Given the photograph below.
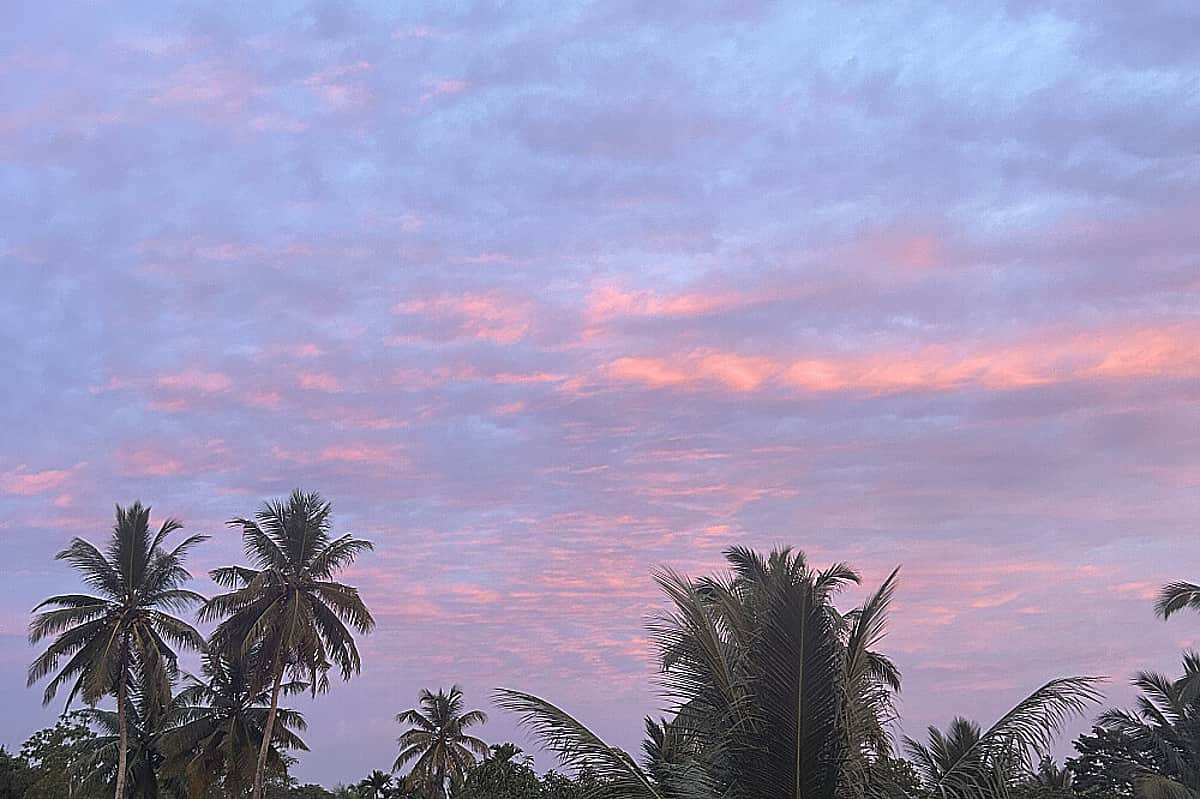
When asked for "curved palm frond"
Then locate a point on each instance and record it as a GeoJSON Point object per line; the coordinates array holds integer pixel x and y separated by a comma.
{"type": "Point", "coordinates": [576, 745]}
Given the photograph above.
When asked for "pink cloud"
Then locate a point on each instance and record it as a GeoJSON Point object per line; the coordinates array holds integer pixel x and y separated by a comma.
{"type": "Point", "coordinates": [444, 87]}
{"type": "Point", "coordinates": [263, 399]}
{"type": "Point", "coordinates": [995, 600]}
{"type": "Point", "coordinates": [212, 90]}
{"type": "Point", "coordinates": [654, 372]}
{"type": "Point", "coordinates": [360, 453]}
{"type": "Point", "coordinates": [23, 482]}
{"type": "Point", "coordinates": [151, 463]}
{"type": "Point", "coordinates": [485, 258]}
{"type": "Point", "coordinates": [417, 32]}
{"type": "Point", "coordinates": [195, 381]}
{"type": "Point", "coordinates": [735, 372]}
{"type": "Point", "coordinates": [611, 300]}
{"type": "Point", "coordinates": [528, 378]}
{"type": "Point", "coordinates": [1049, 357]}
{"type": "Point", "coordinates": [320, 381]}
{"type": "Point", "coordinates": [917, 250]}
{"type": "Point", "coordinates": [487, 316]}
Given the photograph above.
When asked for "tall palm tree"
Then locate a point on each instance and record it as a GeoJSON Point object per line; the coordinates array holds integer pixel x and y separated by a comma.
{"type": "Point", "coordinates": [127, 627]}
{"type": "Point", "coordinates": [375, 785]}
{"type": "Point", "coordinates": [1165, 721]}
{"type": "Point", "coordinates": [222, 723]}
{"type": "Point", "coordinates": [288, 609]}
{"type": "Point", "coordinates": [776, 694]}
{"type": "Point", "coordinates": [438, 740]}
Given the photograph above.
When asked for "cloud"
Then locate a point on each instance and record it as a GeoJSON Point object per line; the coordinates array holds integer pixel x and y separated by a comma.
{"type": "Point", "coordinates": [24, 482]}
{"type": "Point", "coordinates": [488, 316]}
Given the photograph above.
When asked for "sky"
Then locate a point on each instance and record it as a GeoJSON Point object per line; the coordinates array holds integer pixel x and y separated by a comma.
{"type": "Point", "coordinates": [544, 295]}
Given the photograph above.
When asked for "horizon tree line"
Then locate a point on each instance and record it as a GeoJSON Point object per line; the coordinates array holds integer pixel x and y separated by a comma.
{"type": "Point", "coordinates": [772, 691]}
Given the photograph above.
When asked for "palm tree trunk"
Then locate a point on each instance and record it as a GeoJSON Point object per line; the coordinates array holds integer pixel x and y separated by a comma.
{"type": "Point", "coordinates": [260, 772]}
{"type": "Point", "coordinates": [122, 733]}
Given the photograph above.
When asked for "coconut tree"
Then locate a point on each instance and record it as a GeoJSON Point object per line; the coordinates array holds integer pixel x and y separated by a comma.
{"type": "Point", "coordinates": [938, 757]}
{"type": "Point", "coordinates": [375, 785]}
{"type": "Point", "coordinates": [753, 656]}
{"type": "Point", "coordinates": [1166, 722]}
{"type": "Point", "coordinates": [149, 722]}
{"type": "Point", "coordinates": [967, 762]}
{"type": "Point", "coordinates": [438, 740]}
{"type": "Point", "coordinates": [222, 723]}
{"type": "Point", "coordinates": [287, 609]}
{"type": "Point", "coordinates": [776, 694]}
{"type": "Point", "coordinates": [125, 630]}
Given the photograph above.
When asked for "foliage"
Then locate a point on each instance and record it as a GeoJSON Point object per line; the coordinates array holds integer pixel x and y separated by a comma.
{"type": "Point", "coordinates": [503, 774]}
{"type": "Point", "coordinates": [1048, 781]}
{"type": "Point", "coordinates": [438, 742]}
{"type": "Point", "coordinates": [890, 776]}
{"type": "Point", "coordinates": [586, 783]}
{"type": "Point", "coordinates": [55, 758]}
{"type": "Point", "coordinates": [222, 723]}
{"type": "Point", "coordinates": [149, 721]}
{"type": "Point", "coordinates": [307, 791]}
{"type": "Point", "coordinates": [1107, 764]}
{"type": "Point", "coordinates": [287, 613]}
{"type": "Point", "coordinates": [15, 775]}
{"type": "Point", "coordinates": [967, 763]}
{"type": "Point", "coordinates": [1176, 596]}
{"type": "Point", "coordinates": [376, 785]}
{"type": "Point", "coordinates": [1165, 722]}
{"type": "Point", "coordinates": [778, 695]}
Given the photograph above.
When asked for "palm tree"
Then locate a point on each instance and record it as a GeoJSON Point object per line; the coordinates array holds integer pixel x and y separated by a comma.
{"type": "Point", "coordinates": [967, 762]}
{"type": "Point", "coordinates": [937, 758]}
{"type": "Point", "coordinates": [127, 628]}
{"type": "Point", "coordinates": [1166, 722]}
{"type": "Point", "coordinates": [288, 609]}
{"type": "Point", "coordinates": [377, 783]}
{"type": "Point", "coordinates": [150, 722]}
{"type": "Point", "coordinates": [1050, 778]}
{"type": "Point", "coordinates": [438, 740]}
{"type": "Point", "coordinates": [776, 694]}
{"type": "Point", "coordinates": [758, 655]}
{"type": "Point", "coordinates": [222, 727]}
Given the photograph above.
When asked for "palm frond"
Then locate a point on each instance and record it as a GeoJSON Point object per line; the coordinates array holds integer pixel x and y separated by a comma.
{"type": "Point", "coordinates": [576, 745]}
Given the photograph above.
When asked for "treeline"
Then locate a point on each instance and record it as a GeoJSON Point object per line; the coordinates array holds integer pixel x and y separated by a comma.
{"type": "Point", "coordinates": [775, 691]}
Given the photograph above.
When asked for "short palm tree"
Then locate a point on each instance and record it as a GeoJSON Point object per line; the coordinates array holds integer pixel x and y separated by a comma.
{"type": "Point", "coordinates": [222, 722]}
{"type": "Point", "coordinates": [1052, 778]}
{"type": "Point", "coordinates": [937, 758]}
{"type": "Point", "coordinates": [375, 785]}
{"type": "Point", "coordinates": [150, 722]}
{"type": "Point", "coordinates": [1166, 721]}
{"type": "Point", "coordinates": [288, 610]}
{"type": "Point", "coordinates": [125, 631]}
{"type": "Point", "coordinates": [967, 762]}
{"type": "Point", "coordinates": [438, 741]}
